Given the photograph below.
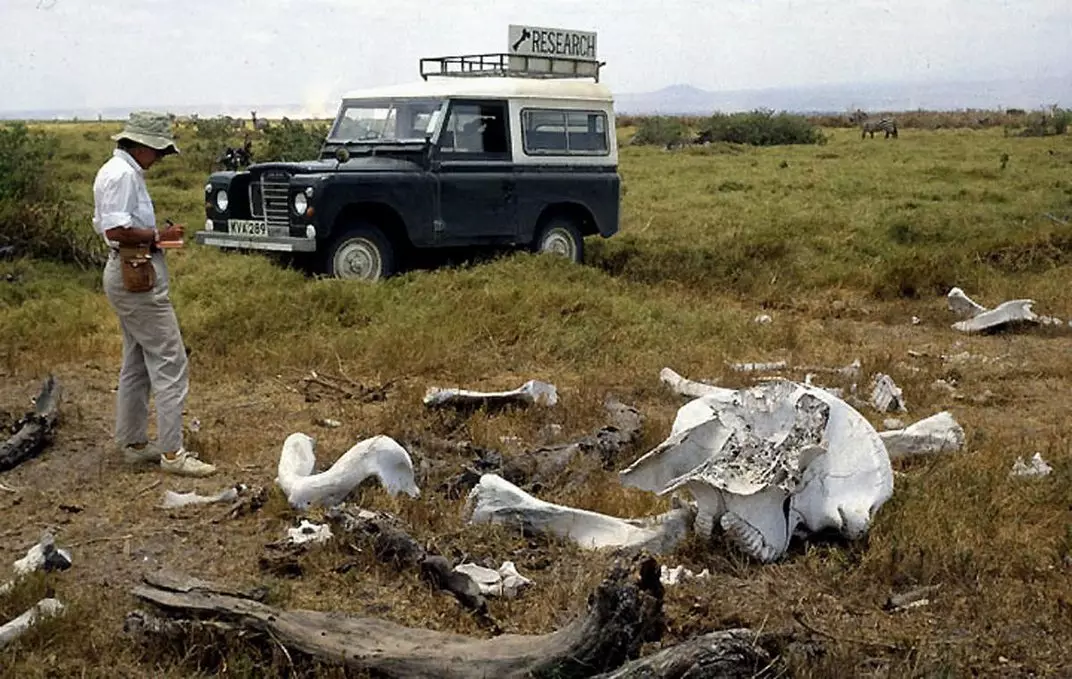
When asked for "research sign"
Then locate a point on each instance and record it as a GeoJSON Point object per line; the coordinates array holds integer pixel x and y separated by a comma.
{"type": "Point", "coordinates": [537, 41]}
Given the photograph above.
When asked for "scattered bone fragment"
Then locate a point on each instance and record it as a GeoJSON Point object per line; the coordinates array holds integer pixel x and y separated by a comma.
{"type": "Point", "coordinates": [173, 500]}
{"type": "Point", "coordinates": [886, 396]}
{"type": "Point", "coordinates": [679, 574]}
{"type": "Point", "coordinates": [1013, 312]}
{"type": "Point", "coordinates": [768, 461]}
{"type": "Point", "coordinates": [379, 456]}
{"type": "Point", "coordinates": [505, 582]}
{"type": "Point", "coordinates": [307, 531]}
{"type": "Point", "coordinates": [1036, 466]}
{"type": "Point", "coordinates": [45, 555]}
{"type": "Point", "coordinates": [911, 599]}
{"type": "Point", "coordinates": [962, 305]}
{"type": "Point", "coordinates": [939, 433]}
{"type": "Point", "coordinates": [686, 387]}
{"type": "Point", "coordinates": [891, 423]}
{"type": "Point", "coordinates": [329, 423]}
{"type": "Point", "coordinates": [763, 319]}
{"type": "Point", "coordinates": [533, 392]}
{"type": "Point", "coordinates": [43, 609]}
{"type": "Point", "coordinates": [759, 367]}
{"type": "Point", "coordinates": [496, 500]}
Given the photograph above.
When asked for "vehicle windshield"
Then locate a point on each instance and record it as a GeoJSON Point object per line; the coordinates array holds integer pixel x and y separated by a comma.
{"type": "Point", "coordinates": [388, 120]}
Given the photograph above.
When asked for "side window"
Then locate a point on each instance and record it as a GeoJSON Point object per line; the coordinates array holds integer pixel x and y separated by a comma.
{"type": "Point", "coordinates": [476, 128]}
{"type": "Point", "coordinates": [564, 132]}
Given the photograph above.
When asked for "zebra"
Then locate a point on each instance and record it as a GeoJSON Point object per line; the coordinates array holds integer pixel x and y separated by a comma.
{"type": "Point", "coordinates": [870, 125]}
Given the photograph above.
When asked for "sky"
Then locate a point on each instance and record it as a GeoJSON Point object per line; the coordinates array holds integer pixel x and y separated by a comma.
{"type": "Point", "coordinates": [57, 54]}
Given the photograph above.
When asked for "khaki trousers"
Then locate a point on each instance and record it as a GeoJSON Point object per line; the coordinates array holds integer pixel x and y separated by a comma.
{"type": "Point", "coordinates": [154, 356]}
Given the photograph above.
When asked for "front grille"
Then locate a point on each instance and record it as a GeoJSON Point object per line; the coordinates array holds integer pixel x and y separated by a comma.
{"type": "Point", "coordinates": [269, 200]}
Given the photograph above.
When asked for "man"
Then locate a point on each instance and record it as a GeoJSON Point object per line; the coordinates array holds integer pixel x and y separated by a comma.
{"type": "Point", "coordinates": [153, 351]}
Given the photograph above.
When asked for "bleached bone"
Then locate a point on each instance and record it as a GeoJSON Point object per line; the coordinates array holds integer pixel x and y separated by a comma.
{"type": "Point", "coordinates": [529, 393]}
{"type": "Point", "coordinates": [307, 531]}
{"type": "Point", "coordinates": [1006, 313]}
{"type": "Point", "coordinates": [962, 305]}
{"type": "Point", "coordinates": [679, 574]}
{"type": "Point", "coordinates": [1036, 467]}
{"type": "Point", "coordinates": [496, 500]}
{"type": "Point", "coordinates": [686, 387]}
{"type": "Point", "coordinates": [173, 500]}
{"type": "Point", "coordinates": [886, 396]}
{"type": "Point", "coordinates": [759, 367]}
{"type": "Point", "coordinates": [379, 456]}
{"type": "Point", "coordinates": [45, 608]}
{"type": "Point", "coordinates": [938, 433]}
{"type": "Point", "coordinates": [505, 582]}
{"type": "Point", "coordinates": [771, 460]}
{"type": "Point", "coordinates": [42, 556]}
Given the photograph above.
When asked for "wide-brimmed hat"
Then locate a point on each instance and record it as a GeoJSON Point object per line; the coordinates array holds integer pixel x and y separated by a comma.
{"type": "Point", "coordinates": [151, 129]}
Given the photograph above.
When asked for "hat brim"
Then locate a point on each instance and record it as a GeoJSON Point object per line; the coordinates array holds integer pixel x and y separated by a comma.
{"type": "Point", "coordinates": [161, 144]}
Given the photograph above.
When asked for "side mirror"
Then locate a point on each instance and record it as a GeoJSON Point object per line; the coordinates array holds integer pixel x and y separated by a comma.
{"type": "Point", "coordinates": [342, 154]}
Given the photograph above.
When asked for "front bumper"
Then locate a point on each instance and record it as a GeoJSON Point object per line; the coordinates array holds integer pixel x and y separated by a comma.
{"type": "Point", "coordinates": [271, 243]}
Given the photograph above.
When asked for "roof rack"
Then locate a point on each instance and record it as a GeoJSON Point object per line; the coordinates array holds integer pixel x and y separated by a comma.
{"type": "Point", "coordinates": [504, 65]}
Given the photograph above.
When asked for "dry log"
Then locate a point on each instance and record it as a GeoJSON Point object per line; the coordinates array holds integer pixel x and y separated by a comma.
{"type": "Point", "coordinates": [391, 544]}
{"type": "Point", "coordinates": [727, 654]}
{"type": "Point", "coordinates": [623, 612]}
{"type": "Point", "coordinates": [35, 430]}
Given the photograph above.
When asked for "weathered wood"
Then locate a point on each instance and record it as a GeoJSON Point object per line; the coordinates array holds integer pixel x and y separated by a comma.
{"type": "Point", "coordinates": [727, 654]}
{"type": "Point", "coordinates": [35, 430]}
{"type": "Point", "coordinates": [391, 544]}
{"type": "Point", "coordinates": [623, 613]}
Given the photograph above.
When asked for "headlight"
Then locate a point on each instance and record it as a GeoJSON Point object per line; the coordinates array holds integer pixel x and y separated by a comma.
{"type": "Point", "coordinates": [300, 203]}
{"type": "Point", "coordinates": [222, 201]}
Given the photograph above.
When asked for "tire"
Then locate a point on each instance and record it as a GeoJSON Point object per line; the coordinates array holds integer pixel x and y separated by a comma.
{"type": "Point", "coordinates": [360, 253]}
{"type": "Point", "coordinates": [561, 237]}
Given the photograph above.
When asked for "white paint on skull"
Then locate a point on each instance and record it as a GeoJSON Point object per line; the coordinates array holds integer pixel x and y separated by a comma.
{"type": "Point", "coordinates": [505, 582]}
{"type": "Point", "coordinates": [42, 610]}
{"type": "Point", "coordinates": [531, 392]}
{"type": "Point", "coordinates": [379, 456]}
{"type": "Point", "coordinates": [939, 433]}
{"type": "Point", "coordinates": [497, 501]}
{"type": "Point", "coordinates": [962, 305]}
{"type": "Point", "coordinates": [768, 460]}
{"type": "Point", "coordinates": [1007, 313]}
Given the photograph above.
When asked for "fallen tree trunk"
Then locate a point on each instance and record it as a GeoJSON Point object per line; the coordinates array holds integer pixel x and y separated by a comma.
{"type": "Point", "coordinates": [35, 430]}
{"type": "Point", "coordinates": [622, 614]}
{"type": "Point", "coordinates": [727, 654]}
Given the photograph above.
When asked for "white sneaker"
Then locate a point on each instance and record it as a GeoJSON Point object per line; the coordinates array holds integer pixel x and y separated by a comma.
{"type": "Point", "coordinates": [186, 464]}
{"type": "Point", "coordinates": [149, 453]}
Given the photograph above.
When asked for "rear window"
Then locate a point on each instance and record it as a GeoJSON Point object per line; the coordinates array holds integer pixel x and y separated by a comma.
{"type": "Point", "coordinates": [564, 132]}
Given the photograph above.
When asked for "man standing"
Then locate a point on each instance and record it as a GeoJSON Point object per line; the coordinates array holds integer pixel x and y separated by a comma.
{"type": "Point", "coordinates": [136, 284]}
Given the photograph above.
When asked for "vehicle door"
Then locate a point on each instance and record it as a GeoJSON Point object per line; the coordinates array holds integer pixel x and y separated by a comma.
{"type": "Point", "coordinates": [477, 200]}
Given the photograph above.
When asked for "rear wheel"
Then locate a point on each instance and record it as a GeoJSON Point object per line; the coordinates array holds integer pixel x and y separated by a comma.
{"type": "Point", "coordinates": [561, 237]}
{"type": "Point", "coordinates": [361, 253]}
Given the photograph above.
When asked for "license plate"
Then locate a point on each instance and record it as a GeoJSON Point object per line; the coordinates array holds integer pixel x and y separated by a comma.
{"type": "Point", "coordinates": [247, 227]}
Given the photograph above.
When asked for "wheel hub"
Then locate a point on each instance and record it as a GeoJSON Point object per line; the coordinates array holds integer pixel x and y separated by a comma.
{"type": "Point", "coordinates": [358, 259]}
{"type": "Point", "coordinates": [559, 242]}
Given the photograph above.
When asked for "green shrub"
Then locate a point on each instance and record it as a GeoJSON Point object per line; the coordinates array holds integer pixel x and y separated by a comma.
{"type": "Point", "coordinates": [660, 131]}
{"type": "Point", "coordinates": [37, 218]}
{"type": "Point", "coordinates": [293, 140]}
{"type": "Point", "coordinates": [761, 127]}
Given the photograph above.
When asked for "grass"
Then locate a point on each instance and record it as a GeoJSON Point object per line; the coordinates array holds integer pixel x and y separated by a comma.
{"type": "Point", "coordinates": [841, 244]}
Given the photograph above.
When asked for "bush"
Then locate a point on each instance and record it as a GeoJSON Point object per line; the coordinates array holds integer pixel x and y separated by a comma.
{"type": "Point", "coordinates": [1045, 123]}
{"type": "Point", "coordinates": [660, 131]}
{"type": "Point", "coordinates": [36, 217]}
{"type": "Point", "coordinates": [761, 127]}
{"type": "Point", "coordinates": [293, 140]}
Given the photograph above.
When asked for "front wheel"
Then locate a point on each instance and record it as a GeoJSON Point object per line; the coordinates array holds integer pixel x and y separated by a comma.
{"type": "Point", "coordinates": [362, 253]}
{"type": "Point", "coordinates": [561, 237]}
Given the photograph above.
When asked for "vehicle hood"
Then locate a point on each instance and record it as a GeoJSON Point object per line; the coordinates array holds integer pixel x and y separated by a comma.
{"type": "Point", "coordinates": [355, 164]}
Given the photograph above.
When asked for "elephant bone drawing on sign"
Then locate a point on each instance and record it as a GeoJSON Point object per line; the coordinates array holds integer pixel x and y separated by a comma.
{"type": "Point", "coordinates": [766, 462]}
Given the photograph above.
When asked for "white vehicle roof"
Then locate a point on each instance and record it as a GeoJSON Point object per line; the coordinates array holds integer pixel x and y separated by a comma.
{"type": "Point", "coordinates": [533, 88]}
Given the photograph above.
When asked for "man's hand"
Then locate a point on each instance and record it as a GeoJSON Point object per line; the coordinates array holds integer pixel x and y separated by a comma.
{"type": "Point", "coordinates": [172, 232]}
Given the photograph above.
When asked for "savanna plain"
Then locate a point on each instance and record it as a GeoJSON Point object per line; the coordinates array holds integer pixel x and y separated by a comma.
{"type": "Point", "coordinates": [849, 246]}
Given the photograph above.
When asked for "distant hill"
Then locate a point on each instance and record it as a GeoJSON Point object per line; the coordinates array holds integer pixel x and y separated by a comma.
{"type": "Point", "coordinates": [949, 96]}
{"type": "Point", "coordinates": [688, 100]}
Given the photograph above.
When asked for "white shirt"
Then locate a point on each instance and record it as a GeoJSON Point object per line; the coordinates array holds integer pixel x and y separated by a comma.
{"type": "Point", "coordinates": [120, 196]}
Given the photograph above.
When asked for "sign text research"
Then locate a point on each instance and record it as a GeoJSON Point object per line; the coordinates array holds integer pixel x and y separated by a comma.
{"type": "Point", "coordinates": [536, 41]}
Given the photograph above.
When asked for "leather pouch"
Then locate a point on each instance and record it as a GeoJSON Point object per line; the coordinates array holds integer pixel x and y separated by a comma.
{"type": "Point", "coordinates": [136, 263]}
